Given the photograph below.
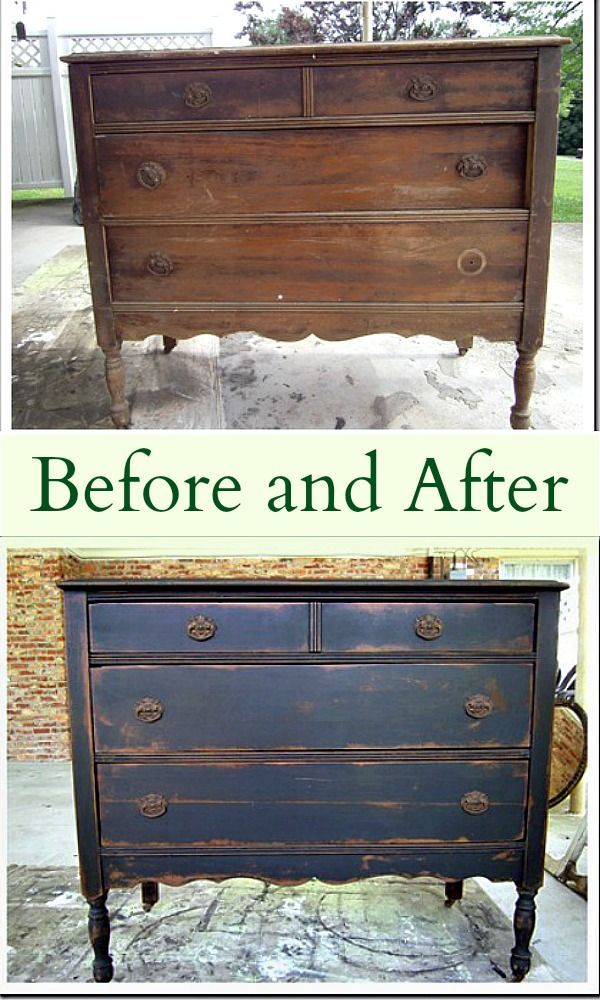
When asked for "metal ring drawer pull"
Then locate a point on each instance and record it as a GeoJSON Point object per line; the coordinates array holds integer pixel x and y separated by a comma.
{"type": "Point", "coordinates": [151, 174]}
{"type": "Point", "coordinates": [160, 265]}
{"type": "Point", "coordinates": [152, 805]}
{"type": "Point", "coordinates": [478, 705]}
{"type": "Point", "coordinates": [197, 95]}
{"type": "Point", "coordinates": [429, 627]}
{"type": "Point", "coordinates": [475, 803]}
{"type": "Point", "coordinates": [201, 628]}
{"type": "Point", "coordinates": [421, 88]}
{"type": "Point", "coordinates": [472, 165]}
{"type": "Point", "coordinates": [149, 710]}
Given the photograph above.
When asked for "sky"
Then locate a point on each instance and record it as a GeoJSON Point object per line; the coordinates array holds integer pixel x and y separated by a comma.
{"type": "Point", "coordinates": [138, 16]}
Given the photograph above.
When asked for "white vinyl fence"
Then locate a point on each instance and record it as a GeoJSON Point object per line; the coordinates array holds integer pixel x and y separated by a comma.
{"type": "Point", "coordinates": [43, 153]}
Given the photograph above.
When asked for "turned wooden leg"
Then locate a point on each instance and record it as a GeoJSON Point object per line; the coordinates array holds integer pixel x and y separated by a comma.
{"type": "Point", "coordinates": [464, 344]}
{"type": "Point", "coordinates": [524, 381]}
{"type": "Point", "coordinates": [524, 922]}
{"type": "Point", "coordinates": [150, 895]}
{"type": "Point", "coordinates": [169, 343]}
{"type": "Point", "coordinates": [454, 892]}
{"type": "Point", "coordinates": [115, 380]}
{"type": "Point", "coordinates": [99, 932]}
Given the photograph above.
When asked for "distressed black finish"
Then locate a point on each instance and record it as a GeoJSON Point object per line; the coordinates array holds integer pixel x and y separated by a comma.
{"type": "Point", "coordinates": [155, 627]}
{"type": "Point", "coordinates": [327, 802]}
{"type": "Point", "coordinates": [346, 706]}
{"type": "Point", "coordinates": [99, 933]}
{"type": "Point", "coordinates": [464, 628]}
{"type": "Point", "coordinates": [286, 730]}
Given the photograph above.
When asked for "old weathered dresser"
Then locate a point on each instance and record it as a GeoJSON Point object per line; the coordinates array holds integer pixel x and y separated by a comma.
{"type": "Point", "coordinates": [290, 730]}
{"type": "Point", "coordinates": [338, 190]}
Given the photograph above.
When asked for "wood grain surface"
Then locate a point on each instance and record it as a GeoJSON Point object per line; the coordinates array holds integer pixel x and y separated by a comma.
{"type": "Point", "coordinates": [318, 170]}
{"type": "Point", "coordinates": [362, 262]}
{"type": "Point", "coordinates": [486, 85]}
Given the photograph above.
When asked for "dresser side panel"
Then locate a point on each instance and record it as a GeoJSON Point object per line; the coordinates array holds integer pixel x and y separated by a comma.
{"type": "Point", "coordinates": [541, 738]}
{"type": "Point", "coordinates": [82, 744]}
{"type": "Point", "coordinates": [543, 164]}
{"type": "Point", "coordinates": [87, 173]}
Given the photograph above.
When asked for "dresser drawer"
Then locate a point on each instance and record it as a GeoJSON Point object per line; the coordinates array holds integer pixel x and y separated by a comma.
{"type": "Point", "coordinates": [432, 628]}
{"type": "Point", "coordinates": [245, 803]}
{"type": "Point", "coordinates": [308, 707]}
{"type": "Point", "coordinates": [199, 628]}
{"type": "Point", "coordinates": [315, 170]}
{"type": "Point", "coordinates": [318, 262]}
{"type": "Point", "coordinates": [419, 88]}
{"type": "Point", "coordinates": [197, 95]}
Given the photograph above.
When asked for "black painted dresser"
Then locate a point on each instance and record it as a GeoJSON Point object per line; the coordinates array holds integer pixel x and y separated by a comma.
{"type": "Point", "coordinates": [289, 730]}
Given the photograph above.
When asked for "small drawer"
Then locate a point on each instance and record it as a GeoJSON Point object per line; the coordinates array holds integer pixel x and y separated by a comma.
{"type": "Point", "coordinates": [343, 170]}
{"type": "Point", "coordinates": [318, 262]}
{"type": "Point", "coordinates": [202, 629]}
{"type": "Point", "coordinates": [422, 88]}
{"type": "Point", "coordinates": [197, 95]}
{"type": "Point", "coordinates": [242, 803]}
{"type": "Point", "coordinates": [432, 628]}
{"type": "Point", "coordinates": [273, 707]}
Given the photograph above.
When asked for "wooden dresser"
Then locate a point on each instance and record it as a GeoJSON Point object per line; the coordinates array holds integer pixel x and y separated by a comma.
{"type": "Point", "coordinates": [292, 730]}
{"type": "Point", "coordinates": [337, 190]}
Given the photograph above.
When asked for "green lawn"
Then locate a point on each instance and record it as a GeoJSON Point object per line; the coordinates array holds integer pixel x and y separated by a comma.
{"type": "Point", "coordinates": [38, 194]}
{"type": "Point", "coordinates": [568, 190]}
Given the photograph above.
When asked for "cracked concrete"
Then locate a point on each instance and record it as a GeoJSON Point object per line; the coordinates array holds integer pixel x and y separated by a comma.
{"type": "Point", "coordinates": [382, 930]}
{"type": "Point", "coordinates": [247, 382]}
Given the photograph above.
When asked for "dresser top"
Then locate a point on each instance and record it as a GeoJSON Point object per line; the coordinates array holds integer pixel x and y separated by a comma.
{"type": "Point", "coordinates": [274, 587]}
{"type": "Point", "coordinates": [440, 46]}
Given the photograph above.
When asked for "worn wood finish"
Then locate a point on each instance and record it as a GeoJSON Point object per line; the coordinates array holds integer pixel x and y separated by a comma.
{"type": "Point", "coordinates": [331, 802]}
{"type": "Point", "coordinates": [99, 935]}
{"type": "Point", "coordinates": [150, 895]}
{"type": "Point", "coordinates": [362, 262]}
{"type": "Point", "coordinates": [427, 87]}
{"type": "Point", "coordinates": [164, 96]}
{"type": "Point", "coordinates": [322, 319]}
{"type": "Point", "coordinates": [454, 892]}
{"type": "Point", "coordinates": [313, 708]}
{"type": "Point", "coordinates": [273, 627]}
{"type": "Point", "coordinates": [463, 627]}
{"type": "Point", "coordinates": [123, 868]}
{"type": "Point", "coordinates": [266, 183]}
{"type": "Point", "coordinates": [296, 757]}
{"type": "Point", "coordinates": [314, 170]}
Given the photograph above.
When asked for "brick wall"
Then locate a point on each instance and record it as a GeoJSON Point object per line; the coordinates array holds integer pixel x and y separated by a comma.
{"type": "Point", "coordinates": [38, 727]}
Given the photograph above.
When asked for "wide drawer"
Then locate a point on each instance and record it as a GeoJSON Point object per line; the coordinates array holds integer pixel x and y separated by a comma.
{"type": "Point", "coordinates": [419, 88]}
{"type": "Point", "coordinates": [464, 627]}
{"type": "Point", "coordinates": [314, 170]}
{"type": "Point", "coordinates": [156, 709]}
{"type": "Point", "coordinates": [200, 628]}
{"type": "Point", "coordinates": [318, 262]}
{"type": "Point", "coordinates": [197, 95]}
{"type": "Point", "coordinates": [244, 803]}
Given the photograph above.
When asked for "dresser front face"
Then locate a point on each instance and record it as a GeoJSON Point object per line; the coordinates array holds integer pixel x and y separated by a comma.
{"type": "Point", "coordinates": [332, 730]}
{"type": "Point", "coordinates": [338, 191]}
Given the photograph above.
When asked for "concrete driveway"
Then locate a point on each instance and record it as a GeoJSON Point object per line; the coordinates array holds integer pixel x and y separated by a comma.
{"type": "Point", "coordinates": [245, 381]}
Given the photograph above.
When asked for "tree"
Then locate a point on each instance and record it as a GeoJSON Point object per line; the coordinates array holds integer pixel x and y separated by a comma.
{"type": "Point", "coordinates": [341, 22]}
{"type": "Point", "coordinates": [565, 18]}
